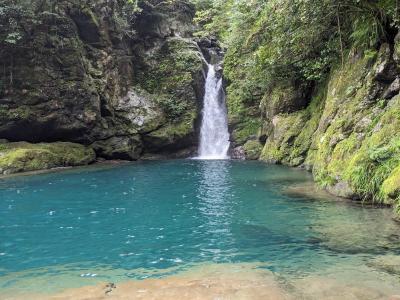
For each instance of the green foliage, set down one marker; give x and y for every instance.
(370, 169)
(290, 40)
(252, 150)
(170, 73)
(173, 107)
(214, 17)
(246, 128)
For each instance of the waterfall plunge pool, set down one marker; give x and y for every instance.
(233, 229)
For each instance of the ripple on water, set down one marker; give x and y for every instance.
(186, 216)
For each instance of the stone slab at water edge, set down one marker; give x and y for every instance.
(24, 157)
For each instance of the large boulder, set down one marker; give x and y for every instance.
(22, 156)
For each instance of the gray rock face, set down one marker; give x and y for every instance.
(393, 89)
(97, 73)
(119, 147)
(284, 98)
(238, 153)
(212, 50)
(386, 70)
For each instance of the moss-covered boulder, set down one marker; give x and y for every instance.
(22, 156)
(244, 127)
(285, 130)
(252, 149)
(391, 186)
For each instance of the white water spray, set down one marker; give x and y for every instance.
(214, 134)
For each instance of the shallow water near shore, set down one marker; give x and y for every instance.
(172, 227)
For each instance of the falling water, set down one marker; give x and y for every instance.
(214, 134)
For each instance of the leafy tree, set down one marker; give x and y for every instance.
(292, 40)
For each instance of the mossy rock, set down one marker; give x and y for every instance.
(347, 136)
(172, 136)
(286, 97)
(23, 157)
(279, 146)
(245, 128)
(391, 186)
(174, 74)
(357, 144)
(252, 150)
(292, 134)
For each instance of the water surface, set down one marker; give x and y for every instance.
(157, 219)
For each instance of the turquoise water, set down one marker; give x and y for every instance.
(146, 218)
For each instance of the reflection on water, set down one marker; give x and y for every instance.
(214, 194)
(215, 197)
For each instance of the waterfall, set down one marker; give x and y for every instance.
(214, 134)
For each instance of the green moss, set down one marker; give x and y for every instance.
(344, 140)
(332, 142)
(391, 186)
(21, 157)
(252, 150)
(312, 115)
(170, 73)
(293, 133)
(367, 155)
(177, 130)
(344, 150)
(286, 128)
(22, 112)
(278, 99)
(246, 128)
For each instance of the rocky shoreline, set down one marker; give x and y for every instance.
(224, 281)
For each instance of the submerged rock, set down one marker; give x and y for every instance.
(388, 263)
(342, 189)
(208, 281)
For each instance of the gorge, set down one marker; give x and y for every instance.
(124, 83)
(234, 149)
